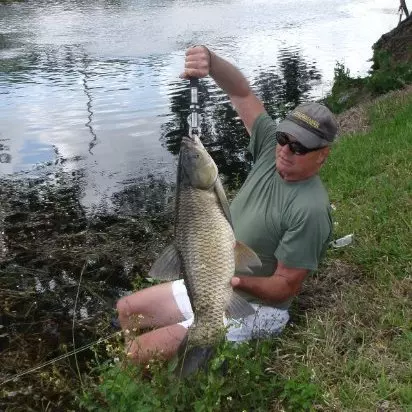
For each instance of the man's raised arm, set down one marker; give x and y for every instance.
(200, 62)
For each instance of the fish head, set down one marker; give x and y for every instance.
(197, 166)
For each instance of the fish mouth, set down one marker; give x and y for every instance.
(188, 141)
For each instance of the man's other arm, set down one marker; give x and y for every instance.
(282, 285)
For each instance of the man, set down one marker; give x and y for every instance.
(281, 212)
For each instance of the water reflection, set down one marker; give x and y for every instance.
(5, 156)
(282, 88)
(88, 93)
(98, 101)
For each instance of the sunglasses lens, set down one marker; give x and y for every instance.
(298, 149)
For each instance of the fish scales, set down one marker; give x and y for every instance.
(206, 243)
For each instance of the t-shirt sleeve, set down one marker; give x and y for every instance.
(263, 137)
(306, 239)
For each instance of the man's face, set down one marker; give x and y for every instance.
(293, 167)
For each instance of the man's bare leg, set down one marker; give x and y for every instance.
(151, 307)
(161, 343)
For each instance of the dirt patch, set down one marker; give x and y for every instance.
(325, 287)
(356, 119)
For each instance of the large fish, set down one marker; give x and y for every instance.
(205, 253)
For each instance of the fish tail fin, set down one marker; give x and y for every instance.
(192, 358)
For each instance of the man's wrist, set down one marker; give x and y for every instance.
(210, 57)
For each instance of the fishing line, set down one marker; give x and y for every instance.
(75, 304)
(74, 320)
(54, 360)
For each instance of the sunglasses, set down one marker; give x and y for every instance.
(295, 147)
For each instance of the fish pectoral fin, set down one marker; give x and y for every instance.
(245, 258)
(239, 307)
(167, 266)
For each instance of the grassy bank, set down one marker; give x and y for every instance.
(384, 76)
(348, 347)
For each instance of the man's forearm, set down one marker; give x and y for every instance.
(228, 77)
(272, 289)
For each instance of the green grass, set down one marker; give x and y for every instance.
(237, 379)
(369, 179)
(351, 348)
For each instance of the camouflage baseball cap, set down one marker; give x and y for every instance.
(312, 124)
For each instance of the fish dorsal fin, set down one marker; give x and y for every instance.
(239, 307)
(245, 258)
(221, 195)
(167, 266)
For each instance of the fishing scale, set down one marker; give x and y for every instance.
(194, 117)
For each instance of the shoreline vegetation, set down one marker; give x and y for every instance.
(348, 346)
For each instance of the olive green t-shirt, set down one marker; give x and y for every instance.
(286, 221)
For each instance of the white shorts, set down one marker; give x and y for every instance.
(266, 321)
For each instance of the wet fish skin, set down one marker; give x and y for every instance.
(206, 242)
(204, 253)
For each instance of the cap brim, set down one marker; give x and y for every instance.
(302, 135)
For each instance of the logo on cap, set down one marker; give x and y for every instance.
(305, 118)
